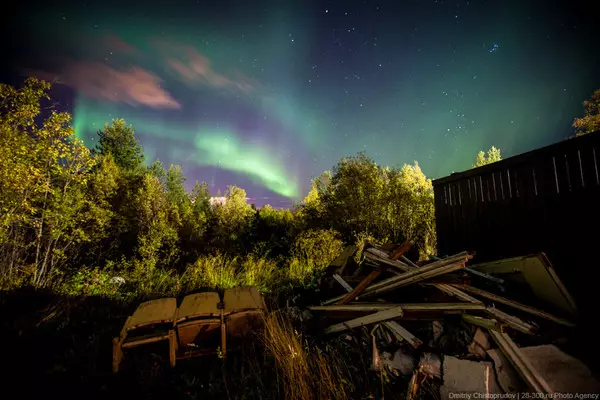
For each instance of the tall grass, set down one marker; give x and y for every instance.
(304, 372)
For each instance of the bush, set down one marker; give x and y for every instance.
(301, 272)
(317, 247)
(213, 271)
(259, 272)
(88, 282)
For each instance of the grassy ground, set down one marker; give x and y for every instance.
(61, 347)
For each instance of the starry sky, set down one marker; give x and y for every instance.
(268, 94)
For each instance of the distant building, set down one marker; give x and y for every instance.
(221, 200)
(217, 200)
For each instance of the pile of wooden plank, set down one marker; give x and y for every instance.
(379, 293)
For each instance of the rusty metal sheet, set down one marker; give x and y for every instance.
(199, 305)
(241, 299)
(153, 312)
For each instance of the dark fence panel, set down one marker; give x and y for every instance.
(544, 200)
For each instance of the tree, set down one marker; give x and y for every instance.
(493, 155)
(232, 218)
(119, 140)
(411, 212)
(352, 198)
(274, 230)
(157, 235)
(590, 122)
(201, 211)
(45, 197)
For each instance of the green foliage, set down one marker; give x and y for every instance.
(493, 155)
(232, 219)
(216, 272)
(259, 272)
(590, 122)
(317, 247)
(44, 191)
(119, 140)
(89, 282)
(157, 225)
(411, 212)
(63, 206)
(274, 231)
(390, 204)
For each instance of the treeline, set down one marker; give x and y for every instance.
(101, 221)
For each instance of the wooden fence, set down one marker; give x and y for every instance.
(544, 200)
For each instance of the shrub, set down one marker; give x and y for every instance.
(259, 272)
(301, 272)
(317, 247)
(361, 241)
(213, 271)
(87, 282)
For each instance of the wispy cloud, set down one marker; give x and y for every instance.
(194, 68)
(116, 44)
(134, 86)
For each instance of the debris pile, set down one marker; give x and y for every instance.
(454, 326)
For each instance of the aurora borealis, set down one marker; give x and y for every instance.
(267, 94)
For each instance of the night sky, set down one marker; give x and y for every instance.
(267, 94)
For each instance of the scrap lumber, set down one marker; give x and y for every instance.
(403, 248)
(413, 307)
(515, 304)
(523, 366)
(377, 252)
(403, 279)
(454, 292)
(342, 282)
(411, 277)
(484, 275)
(342, 260)
(379, 316)
(512, 321)
(374, 274)
(353, 294)
(414, 383)
(402, 334)
(484, 322)
(407, 266)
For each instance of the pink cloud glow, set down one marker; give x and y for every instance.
(196, 68)
(134, 86)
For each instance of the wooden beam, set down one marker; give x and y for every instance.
(462, 257)
(484, 322)
(412, 277)
(512, 321)
(342, 282)
(514, 304)
(403, 248)
(534, 380)
(402, 334)
(484, 275)
(374, 274)
(403, 267)
(407, 307)
(408, 265)
(454, 292)
(353, 294)
(379, 316)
